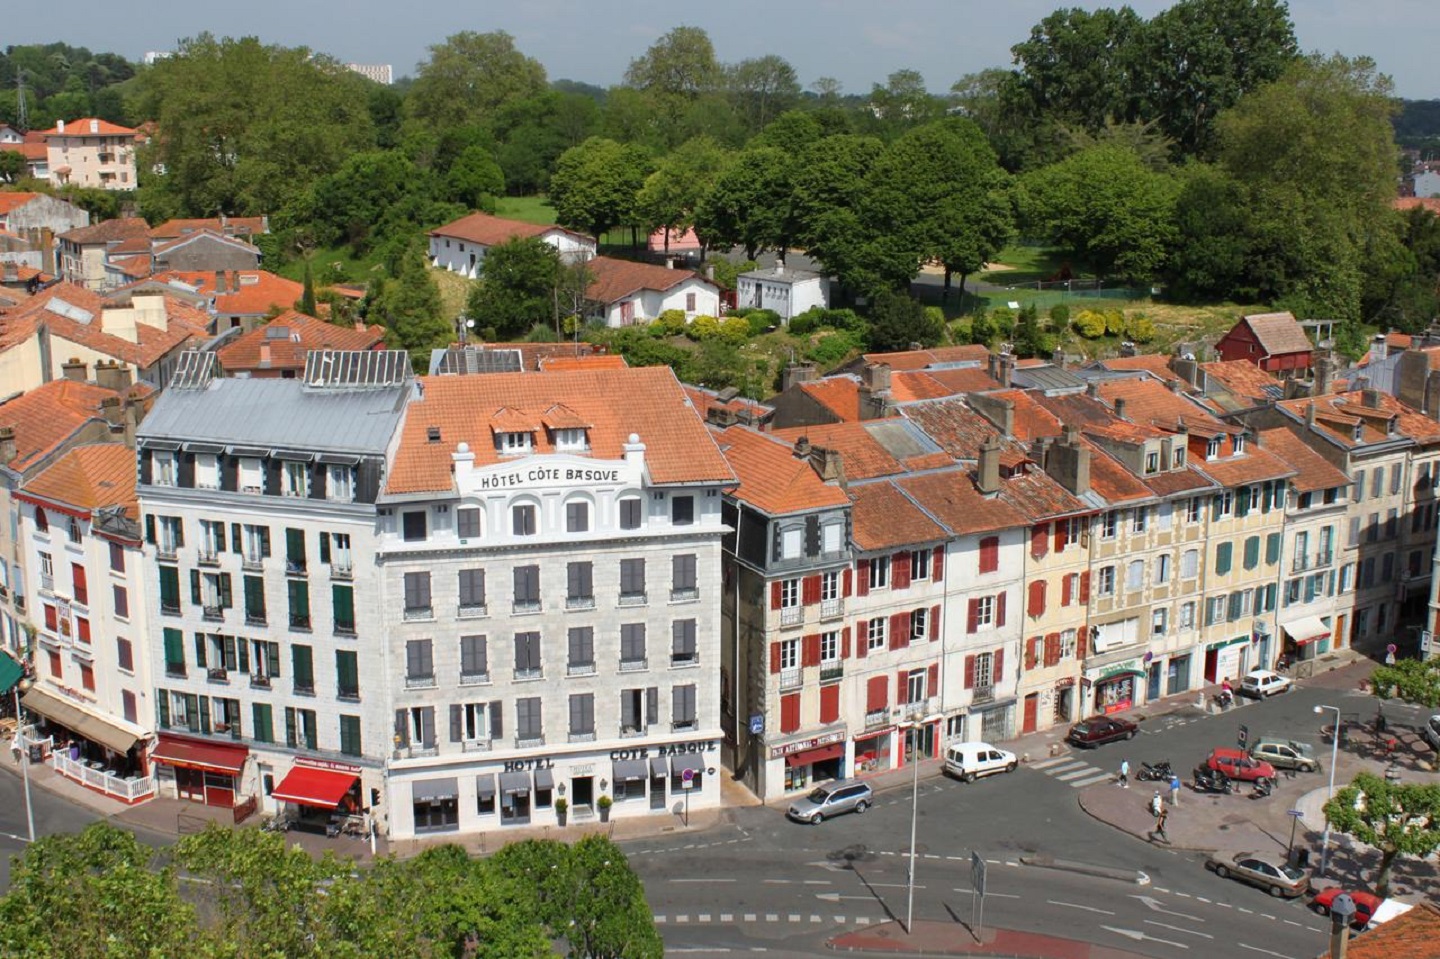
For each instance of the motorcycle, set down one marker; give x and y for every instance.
(1156, 772)
(1212, 781)
(1262, 788)
(1224, 699)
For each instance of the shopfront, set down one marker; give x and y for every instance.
(1064, 701)
(200, 771)
(322, 794)
(435, 804)
(99, 751)
(1114, 686)
(1227, 659)
(995, 722)
(872, 751)
(1306, 638)
(813, 759)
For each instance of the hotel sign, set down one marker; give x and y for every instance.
(550, 473)
(787, 749)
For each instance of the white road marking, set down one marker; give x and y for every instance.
(1137, 935)
(749, 917)
(1050, 762)
(1154, 906)
(793, 917)
(716, 880)
(1192, 932)
(772, 917)
(988, 893)
(727, 917)
(1279, 955)
(1073, 905)
(1082, 783)
(703, 917)
(682, 918)
(1087, 771)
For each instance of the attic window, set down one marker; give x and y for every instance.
(514, 444)
(1179, 459)
(571, 440)
(1212, 448)
(1357, 430)
(432, 433)
(1239, 442)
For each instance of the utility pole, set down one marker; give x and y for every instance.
(22, 116)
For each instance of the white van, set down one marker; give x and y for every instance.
(970, 761)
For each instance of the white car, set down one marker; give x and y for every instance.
(1431, 732)
(1260, 683)
(970, 761)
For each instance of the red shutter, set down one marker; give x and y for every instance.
(899, 630)
(1062, 535)
(810, 590)
(775, 595)
(1067, 589)
(862, 639)
(901, 682)
(77, 576)
(934, 623)
(989, 554)
(789, 712)
(1040, 540)
(830, 703)
(900, 570)
(50, 618)
(774, 657)
(932, 680)
(1085, 587)
(1000, 609)
(1030, 652)
(969, 672)
(82, 629)
(1036, 605)
(845, 643)
(876, 697)
(937, 565)
(810, 650)
(972, 622)
(1082, 643)
(862, 578)
(999, 667)
(1052, 649)
(849, 582)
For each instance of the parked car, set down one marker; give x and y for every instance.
(1237, 765)
(1274, 876)
(1366, 904)
(1262, 683)
(1431, 732)
(832, 799)
(1098, 730)
(1285, 754)
(969, 761)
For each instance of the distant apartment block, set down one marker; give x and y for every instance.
(379, 72)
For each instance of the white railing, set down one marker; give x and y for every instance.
(129, 789)
(792, 615)
(790, 678)
(832, 608)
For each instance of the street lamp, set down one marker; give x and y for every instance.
(24, 758)
(1329, 795)
(911, 726)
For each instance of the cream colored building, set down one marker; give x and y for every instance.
(92, 153)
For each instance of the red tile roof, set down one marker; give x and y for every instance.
(83, 128)
(1312, 471)
(490, 230)
(13, 200)
(1337, 414)
(771, 477)
(183, 324)
(597, 361)
(1424, 202)
(884, 518)
(952, 424)
(647, 401)
(108, 231)
(1241, 378)
(290, 337)
(1154, 363)
(237, 225)
(1278, 333)
(1255, 465)
(612, 279)
(249, 292)
(838, 394)
(1152, 404)
(90, 478)
(1412, 935)
(861, 455)
(952, 498)
(48, 415)
(920, 359)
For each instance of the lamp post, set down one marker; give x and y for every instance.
(911, 727)
(24, 760)
(1330, 794)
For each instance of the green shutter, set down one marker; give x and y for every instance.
(290, 726)
(309, 728)
(169, 587)
(325, 548)
(1222, 558)
(343, 600)
(347, 671)
(303, 666)
(254, 597)
(1215, 506)
(295, 546)
(1272, 549)
(162, 707)
(350, 735)
(200, 650)
(1242, 501)
(174, 648)
(195, 587)
(264, 723)
(299, 603)
(204, 710)
(1252, 552)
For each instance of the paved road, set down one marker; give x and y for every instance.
(765, 883)
(52, 815)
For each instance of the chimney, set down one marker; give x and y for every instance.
(59, 126)
(1127, 348)
(669, 263)
(988, 479)
(220, 282)
(827, 464)
(94, 126)
(877, 377)
(1120, 407)
(1006, 365)
(225, 225)
(1092, 389)
(875, 392)
(1370, 399)
(462, 461)
(7, 445)
(113, 375)
(1379, 348)
(802, 447)
(264, 353)
(779, 267)
(1185, 366)
(1310, 414)
(1324, 372)
(74, 369)
(1040, 450)
(795, 374)
(1057, 358)
(114, 412)
(997, 410)
(1068, 463)
(634, 451)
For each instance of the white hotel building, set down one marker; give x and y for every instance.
(548, 550)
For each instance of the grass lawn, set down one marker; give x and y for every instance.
(529, 209)
(333, 265)
(1027, 263)
(454, 290)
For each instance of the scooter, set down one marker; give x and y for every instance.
(1157, 772)
(1262, 788)
(1224, 699)
(1212, 781)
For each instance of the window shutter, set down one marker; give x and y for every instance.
(775, 595)
(1085, 587)
(1032, 653)
(1215, 507)
(899, 630)
(1082, 643)
(497, 721)
(1000, 609)
(972, 621)
(789, 712)
(999, 673)
(1052, 649)
(937, 565)
(652, 705)
(901, 682)
(774, 657)
(402, 728)
(150, 529)
(830, 703)
(1272, 549)
(932, 680)
(862, 577)
(1040, 540)
(848, 582)
(811, 650)
(1222, 558)
(1037, 598)
(195, 586)
(1242, 501)
(989, 554)
(227, 599)
(900, 570)
(969, 672)
(1252, 552)
(862, 640)
(875, 694)
(934, 623)
(810, 590)
(1067, 590)
(457, 723)
(1062, 535)
(845, 643)
(237, 542)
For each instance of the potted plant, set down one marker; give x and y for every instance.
(562, 806)
(603, 804)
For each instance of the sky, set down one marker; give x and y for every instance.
(858, 42)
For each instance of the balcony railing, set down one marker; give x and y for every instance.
(1301, 563)
(420, 682)
(877, 718)
(295, 567)
(166, 551)
(529, 673)
(792, 615)
(413, 613)
(634, 665)
(832, 670)
(832, 608)
(259, 681)
(579, 602)
(342, 571)
(175, 670)
(252, 564)
(344, 627)
(348, 694)
(684, 595)
(212, 613)
(685, 726)
(474, 679)
(983, 694)
(207, 557)
(300, 621)
(580, 669)
(633, 599)
(471, 611)
(525, 606)
(47, 582)
(685, 659)
(305, 688)
(530, 741)
(475, 746)
(128, 789)
(1324, 558)
(630, 732)
(790, 678)
(582, 737)
(255, 619)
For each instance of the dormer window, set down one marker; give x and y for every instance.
(1355, 433)
(571, 441)
(1152, 462)
(514, 444)
(1179, 457)
(1239, 443)
(207, 471)
(341, 485)
(294, 479)
(252, 475)
(163, 468)
(1212, 448)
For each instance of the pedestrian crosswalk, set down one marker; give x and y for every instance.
(1073, 772)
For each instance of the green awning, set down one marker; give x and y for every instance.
(10, 673)
(1229, 642)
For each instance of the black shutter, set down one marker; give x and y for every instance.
(457, 723)
(195, 586)
(317, 480)
(272, 476)
(229, 473)
(150, 529)
(367, 481)
(402, 728)
(146, 467)
(186, 476)
(652, 705)
(812, 535)
(265, 542)
(226, 598)
(497, 721)
(324, 548)
(236, 541)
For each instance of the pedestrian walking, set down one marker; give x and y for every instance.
(1157, 805)
(1174, 790)
(15, 748)
(1125, 773)
(1160, 826)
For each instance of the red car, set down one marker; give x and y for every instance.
(1236, 764)
(1099, 730)
(1365, 904)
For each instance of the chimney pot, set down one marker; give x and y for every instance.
(7, 445)
(1120, 407)
(94, 126)
(802, 447)
(74, 369)
(59, 126)
(988, 480)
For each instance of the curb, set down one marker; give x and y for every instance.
(1086, 869)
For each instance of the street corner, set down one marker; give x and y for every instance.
(960, 939)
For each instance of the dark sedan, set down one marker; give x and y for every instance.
(1099, 730)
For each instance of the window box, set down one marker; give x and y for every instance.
(420, 682)
(212, 613)
(342, 571)
(472, 611)
(414, 613)
(217, 675)
(529, 674)
(579, 602)
(580, 669)
(634, 665)
(526, 606)
(259, 681)
(790, 678)
(633, 599)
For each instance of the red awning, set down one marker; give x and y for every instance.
(817, 755)
(308, 786)
(193, 754)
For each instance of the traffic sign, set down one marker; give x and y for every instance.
(1243, 736)
(687, 779)
(977, 873)
(757, 724)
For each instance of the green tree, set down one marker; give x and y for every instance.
(606, 915)
(762, 88)
(12, 166)
(793, 130)
(680, 64)
(531, 134)
(897, 320)
(1409, 680)
(517, 286)
(409, 308)
(749, 204)
(829, 192)
(595, 185)
(672, 193)
(902, 104)
(475, 180)
(307, 294)
(349, 205)
(1395, 818)
(470, 76)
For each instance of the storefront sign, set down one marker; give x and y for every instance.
(521, 765)
(582, 769)
(785, 749)
(549, 476)
(328, 764)
(668, 749)
(1101, 673)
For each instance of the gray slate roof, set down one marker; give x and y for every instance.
(278, 414)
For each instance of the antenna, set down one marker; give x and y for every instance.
(22, 117)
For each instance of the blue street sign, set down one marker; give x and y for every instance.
(757, 724)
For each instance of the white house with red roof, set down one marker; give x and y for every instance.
(91, 152)
(460, 246)
(624, 292)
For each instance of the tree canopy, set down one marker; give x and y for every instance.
(1399, 819)
(596, 183)
(471, 76)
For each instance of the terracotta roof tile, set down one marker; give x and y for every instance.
(1111, 481)
(1312, 471)
(183, 324)
(301, 334)
(1337, 414)
(612, 279)
(108, 231)
(1148, 403)
(1278, 332)
(599, 361)
(88, 127)
(46, 416)
(771, 477)
(490, 230)
(885, 518)
(249, 292)
(1412, 935)
(1039, 497)
(237, 225)
(1242, 379)
(952, 498)
(1156, 364)
(1031, 420)
(705, 400)
(646, 401)
(920, 359)
(838, 394)
(90, 478)
(951, 423)
(861, 455)
(909, 385)
(13, 200)
(1430, 203)
(1255, 465)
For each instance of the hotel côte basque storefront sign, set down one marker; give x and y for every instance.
(550, 473)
